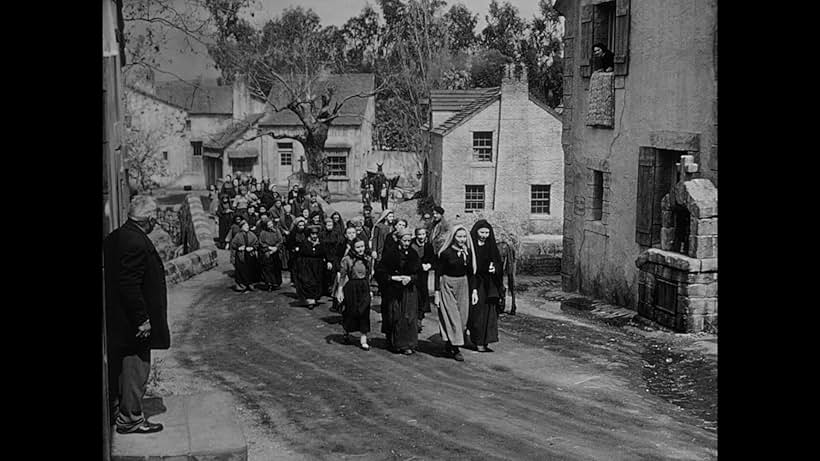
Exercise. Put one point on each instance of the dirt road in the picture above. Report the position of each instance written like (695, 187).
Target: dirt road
(552, 390)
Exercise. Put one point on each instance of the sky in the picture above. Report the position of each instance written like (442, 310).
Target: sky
(182, 58)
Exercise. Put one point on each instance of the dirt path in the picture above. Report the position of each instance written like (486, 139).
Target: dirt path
(314, 397)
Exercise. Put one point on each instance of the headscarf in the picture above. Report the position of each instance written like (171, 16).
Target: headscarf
(451, 239)
(363, 258)
(491, 244)
(383, 216)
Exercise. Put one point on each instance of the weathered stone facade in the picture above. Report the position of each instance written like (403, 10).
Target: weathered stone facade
(526, 151)
(665, 88)
(166, 123)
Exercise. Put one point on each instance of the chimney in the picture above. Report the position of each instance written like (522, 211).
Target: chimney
(514, 80)
(241, 97)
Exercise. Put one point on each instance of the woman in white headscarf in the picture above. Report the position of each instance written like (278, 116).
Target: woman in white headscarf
(455, 270)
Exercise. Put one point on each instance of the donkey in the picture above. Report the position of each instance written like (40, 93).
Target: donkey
(508, 262)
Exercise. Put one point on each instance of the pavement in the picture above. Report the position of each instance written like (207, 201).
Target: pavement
(196, 427)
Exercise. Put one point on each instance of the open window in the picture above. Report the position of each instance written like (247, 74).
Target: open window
(605, 22)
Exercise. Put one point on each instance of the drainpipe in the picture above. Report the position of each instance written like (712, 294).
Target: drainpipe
(497, 150)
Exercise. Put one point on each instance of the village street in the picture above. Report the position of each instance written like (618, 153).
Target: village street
(556, 387)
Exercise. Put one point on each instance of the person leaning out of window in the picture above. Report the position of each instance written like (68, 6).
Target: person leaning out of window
(603, 60)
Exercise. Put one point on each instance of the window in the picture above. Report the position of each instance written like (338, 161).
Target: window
(483, 146)
(607, 23)
(197, 145)
(165, 155)
(657, 174)
(337, 166)
(666, 296)
(473, 198)
(540, 199)
(285, 153)
(597, 195)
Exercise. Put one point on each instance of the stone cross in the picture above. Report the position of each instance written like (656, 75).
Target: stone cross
(686, 167)
(301, 161)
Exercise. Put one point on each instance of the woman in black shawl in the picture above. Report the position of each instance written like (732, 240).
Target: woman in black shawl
(243, 247)
(330, 239)
(602, 59)
(397, 272)
(270, 241)
(312, 266)
(225, 214)
(338, 224)
(483, 318)
(295, 242)
(353, 292)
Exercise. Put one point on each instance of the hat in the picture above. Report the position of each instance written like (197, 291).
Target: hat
(438, 209)
(406, 231)
(142, 208)
(314, 228)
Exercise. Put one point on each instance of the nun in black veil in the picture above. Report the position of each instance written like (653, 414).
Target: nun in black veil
(482, 321)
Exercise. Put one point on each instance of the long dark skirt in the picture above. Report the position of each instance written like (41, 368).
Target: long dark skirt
(284, 257)
(294, 275)
(225, 222)
(400, 315)
(356, 313)
(271, 268)
(423, 295)
(483, 318)
(311, 273)
(245, 269)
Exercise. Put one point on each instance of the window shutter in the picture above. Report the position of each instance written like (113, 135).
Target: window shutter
(621, 50)
(647, 160)
(586, 40)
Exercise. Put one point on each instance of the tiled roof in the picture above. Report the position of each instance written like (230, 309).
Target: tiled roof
(455, 100)
(196, 98)
(478, 103)
(352, 112)
(233, 132)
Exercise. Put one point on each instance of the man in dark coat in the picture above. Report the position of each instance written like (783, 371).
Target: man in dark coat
(136, 314)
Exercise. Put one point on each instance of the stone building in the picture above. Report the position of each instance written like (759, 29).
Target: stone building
(188, 115)
(214, 112)
(159, 125)
(497, 149)
(640, 143)
(349, 140)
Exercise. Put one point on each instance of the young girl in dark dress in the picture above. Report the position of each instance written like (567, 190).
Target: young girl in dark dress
(483, 318)
(330, 239)
(427, 258)
(397, 272)
(353, 293)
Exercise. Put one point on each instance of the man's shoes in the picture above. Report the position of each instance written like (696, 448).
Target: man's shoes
(144, 427)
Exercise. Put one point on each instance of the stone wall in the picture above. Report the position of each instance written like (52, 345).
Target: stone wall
(197, 236)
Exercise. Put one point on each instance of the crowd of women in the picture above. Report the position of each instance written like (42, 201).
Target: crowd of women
(457, 273)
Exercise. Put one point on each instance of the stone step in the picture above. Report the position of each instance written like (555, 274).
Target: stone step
(196, 426)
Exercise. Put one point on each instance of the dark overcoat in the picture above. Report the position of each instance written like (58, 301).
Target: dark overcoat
(135, 289)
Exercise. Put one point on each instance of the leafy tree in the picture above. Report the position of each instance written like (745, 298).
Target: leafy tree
(504, 31)
(461, 23)
(487, 68)
(362, 41)
(143, 158)
(541, 54)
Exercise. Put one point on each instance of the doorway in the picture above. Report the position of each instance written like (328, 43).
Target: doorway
(285, 161)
